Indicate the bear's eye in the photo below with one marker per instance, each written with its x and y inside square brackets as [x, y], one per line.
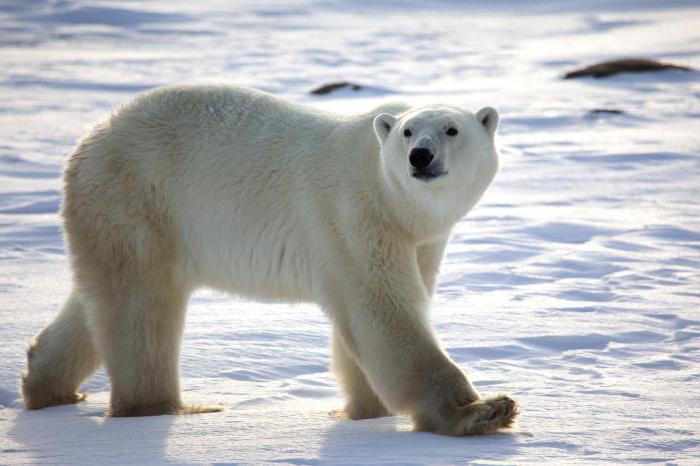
[407, 132]
[451, 131]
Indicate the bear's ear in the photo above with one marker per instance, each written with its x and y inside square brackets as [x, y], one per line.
[488, 117]
[382, 125]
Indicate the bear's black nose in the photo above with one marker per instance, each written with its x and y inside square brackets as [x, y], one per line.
[420, 157]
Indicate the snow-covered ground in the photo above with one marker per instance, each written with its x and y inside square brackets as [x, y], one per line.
[574, 285]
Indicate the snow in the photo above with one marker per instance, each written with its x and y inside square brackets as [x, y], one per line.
[573, 285]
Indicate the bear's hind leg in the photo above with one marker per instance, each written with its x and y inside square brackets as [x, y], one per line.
[140, 330]
[59, 359]
[362, 402]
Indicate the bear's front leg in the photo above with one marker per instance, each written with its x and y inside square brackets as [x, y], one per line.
[362, 402]
[382, 320]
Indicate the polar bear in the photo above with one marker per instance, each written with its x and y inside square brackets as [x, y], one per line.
[238, 190]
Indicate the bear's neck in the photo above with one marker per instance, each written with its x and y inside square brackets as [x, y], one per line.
[423, 219]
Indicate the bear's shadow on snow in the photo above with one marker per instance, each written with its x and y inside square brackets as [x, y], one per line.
[389, 439]
[77, 435]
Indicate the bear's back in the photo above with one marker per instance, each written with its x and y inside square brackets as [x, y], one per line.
[227, 108]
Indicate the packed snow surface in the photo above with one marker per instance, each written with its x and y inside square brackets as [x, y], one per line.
[573, 285]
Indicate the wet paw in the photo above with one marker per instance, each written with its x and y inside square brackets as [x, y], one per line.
[160, 409]
[358, 414]
[199, 409]
[45, 400]
[488, 416]
[339, 414]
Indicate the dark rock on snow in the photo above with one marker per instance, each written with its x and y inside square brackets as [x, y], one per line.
[611, 111]
[627, 65]
[331, 87]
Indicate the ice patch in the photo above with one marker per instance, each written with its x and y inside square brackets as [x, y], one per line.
[566, 232]
[109, 16]
[596, 341]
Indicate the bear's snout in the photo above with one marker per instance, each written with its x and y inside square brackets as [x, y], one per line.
[420, 157]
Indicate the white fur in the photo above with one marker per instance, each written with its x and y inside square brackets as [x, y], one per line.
[235, 189]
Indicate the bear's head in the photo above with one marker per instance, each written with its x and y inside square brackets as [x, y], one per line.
[439, 158]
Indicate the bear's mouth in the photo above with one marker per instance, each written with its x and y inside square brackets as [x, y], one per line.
[433, 170]
[427, 175]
